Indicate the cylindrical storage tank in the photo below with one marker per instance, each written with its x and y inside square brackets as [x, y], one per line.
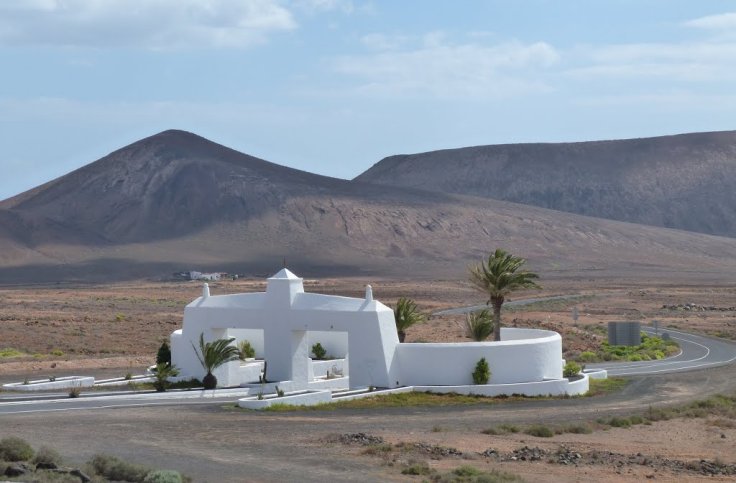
[624, 333]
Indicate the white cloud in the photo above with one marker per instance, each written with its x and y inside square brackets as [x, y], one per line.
[378, 41]
[154, 24]
[721, 21]
[345, 6]
[684, 62]
[439, 68]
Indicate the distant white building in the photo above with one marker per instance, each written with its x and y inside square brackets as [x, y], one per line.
[284, 322]
[210, 277]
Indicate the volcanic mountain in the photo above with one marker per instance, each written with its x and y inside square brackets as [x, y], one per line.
[684, 181]
[176, 201]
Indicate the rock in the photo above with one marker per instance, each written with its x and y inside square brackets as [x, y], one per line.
[490, 452]
[360, 438]
[528, 454]
[436, 451]
[16, 469]
[46, 466]
[80, 474]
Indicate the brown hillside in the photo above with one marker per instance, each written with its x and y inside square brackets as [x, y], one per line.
[176, 201]
[684, 181]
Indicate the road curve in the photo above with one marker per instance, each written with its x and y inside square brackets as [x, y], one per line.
[698, 352]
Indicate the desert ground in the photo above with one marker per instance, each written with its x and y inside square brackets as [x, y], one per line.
[58, 329]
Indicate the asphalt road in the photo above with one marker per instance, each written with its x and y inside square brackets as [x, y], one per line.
[58, 402]
[698, 352]
[510, 303]
[211, 443]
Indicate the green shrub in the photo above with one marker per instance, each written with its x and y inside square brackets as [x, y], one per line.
[636, 419]
[571, 369]
[617, 422]
[509, 428]
[46, 455]
[588, 356]
[163, 356]
[470, 474]
[10, 352]
[482, 372]
[15, 449]
[318, 351]
[116, 469]
[162, 374]
[577, 429]
[502, 429]
[57, 353]
[163, 476]
[479, 325]
[246, 350]
[539, 431]
[418, 469]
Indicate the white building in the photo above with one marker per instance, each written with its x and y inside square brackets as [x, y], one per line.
[211, 277]
[283, 322]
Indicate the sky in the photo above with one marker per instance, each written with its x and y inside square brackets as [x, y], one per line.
[333, 86]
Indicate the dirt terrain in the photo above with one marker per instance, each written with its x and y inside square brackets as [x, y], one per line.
[58, 329]
[216, 443]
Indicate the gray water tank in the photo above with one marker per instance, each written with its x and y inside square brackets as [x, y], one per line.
[624, 333]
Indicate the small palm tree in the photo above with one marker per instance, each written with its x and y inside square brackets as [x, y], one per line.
[214, 354]
[406, 314]
[478, 325]
[162, 374]
[498, 276]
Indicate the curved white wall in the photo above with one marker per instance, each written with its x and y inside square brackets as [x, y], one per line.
[522, 355]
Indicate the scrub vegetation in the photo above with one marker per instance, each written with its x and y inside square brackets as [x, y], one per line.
[19, 462]
[651, 348]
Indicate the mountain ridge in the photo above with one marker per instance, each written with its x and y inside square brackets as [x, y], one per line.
[680, 181]
[176, 201]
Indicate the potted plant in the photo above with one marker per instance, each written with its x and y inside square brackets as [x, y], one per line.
[214, 354]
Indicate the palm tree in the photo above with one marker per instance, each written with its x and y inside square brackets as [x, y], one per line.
[406, 314]
[500, 275]
[214, 354]
[478, 325]
[162, 374]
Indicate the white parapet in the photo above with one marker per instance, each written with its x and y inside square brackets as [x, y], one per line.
[66, 382]
[522, 355]
[304, 398]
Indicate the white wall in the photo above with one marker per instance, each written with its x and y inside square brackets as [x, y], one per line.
[335, 343]
[522, 355]
[254, 336]
[557, 387]
[284, 322]
[283, 313]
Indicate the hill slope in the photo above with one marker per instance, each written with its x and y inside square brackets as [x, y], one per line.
[176, 201]
[684, 181]
[165, 186]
